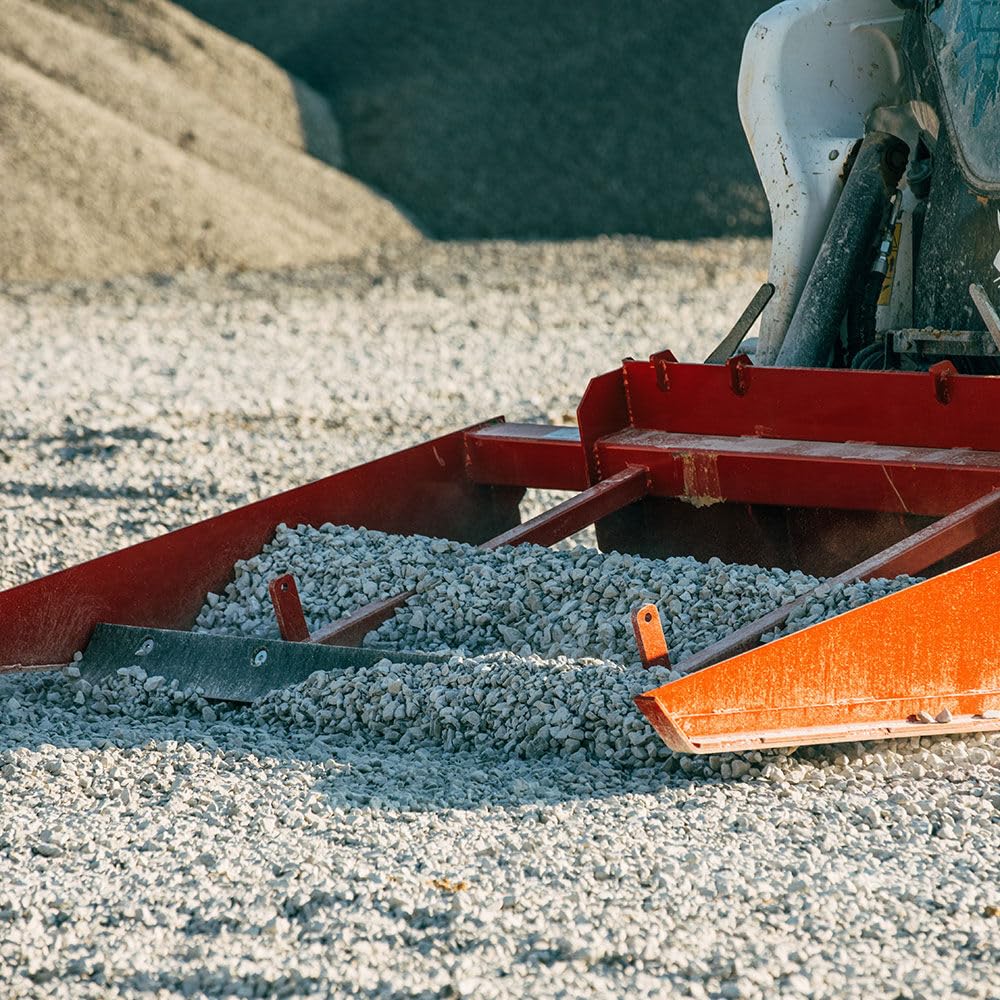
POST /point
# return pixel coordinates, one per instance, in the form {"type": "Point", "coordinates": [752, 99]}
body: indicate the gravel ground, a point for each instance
{"type": "Point", "coordinates": [152, 845]}
{"type": "Point", "coordinates": [546, 662]}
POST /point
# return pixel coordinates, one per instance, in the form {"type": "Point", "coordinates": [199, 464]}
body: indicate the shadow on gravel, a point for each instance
{"type": "Point", "coordinates": [350, 771]}
{"type": "Point", "coordinates": [88, 491]}
{"type": "Point", "coordinates": [529, 120]}
{"type": "Point", "coordinates": [355, 771]}
{"type": "Point", "coordinates": [79, 435]}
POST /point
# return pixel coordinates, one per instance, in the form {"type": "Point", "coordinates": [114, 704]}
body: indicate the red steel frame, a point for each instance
{"type": "Point", "coordinates": [802, 468]}
{"type": "Point", "coordinates": [873, 441]}
{"type": "Point", "coordinates": [729, 438]}
{"type": "Point", "coordinates": [162, 583]}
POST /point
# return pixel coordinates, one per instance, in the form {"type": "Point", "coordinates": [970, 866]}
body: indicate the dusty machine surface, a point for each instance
{"type": "Point", "coordinates": [857, 440]}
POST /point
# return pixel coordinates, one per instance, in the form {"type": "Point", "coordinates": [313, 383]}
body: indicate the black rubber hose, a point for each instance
{"type": "Point", "coordinates": [845, 251]}
{"type": "Point", "coordinates": [862, 313]}
{"type": "Point", "coordinates": [870, 358]}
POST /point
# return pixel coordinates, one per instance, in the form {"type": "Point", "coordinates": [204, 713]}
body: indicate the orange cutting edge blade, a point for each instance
{"type": "Point", "coordinates": [883, 670]}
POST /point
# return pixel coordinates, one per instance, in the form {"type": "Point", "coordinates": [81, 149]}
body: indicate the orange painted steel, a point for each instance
{"type": "Point", "coordinates": [910, 556]}
{"type": "Point", "coordinates": [649, 638]}
{"type": "Point", "coordinates": [933, 648]}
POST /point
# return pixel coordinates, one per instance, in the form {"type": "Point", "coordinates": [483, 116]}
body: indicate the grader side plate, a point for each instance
{"type": "Point", "coordinates": [922, 661]}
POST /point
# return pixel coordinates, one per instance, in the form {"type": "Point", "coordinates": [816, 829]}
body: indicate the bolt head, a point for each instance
{"type": "Point", "coordinates": [145, 647]}
{"type": "Point", "coordinates": [260, 658]}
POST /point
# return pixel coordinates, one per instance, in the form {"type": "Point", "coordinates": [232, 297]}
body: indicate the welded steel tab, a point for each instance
{"type": "Point", "coordinates": [739, 374]}
{"type": "Point", "coordinates": [943, 376]}
{"type": "Point", "coordinates": [284, 593]}
{"type": "Point", "coordinates": [661, 362]}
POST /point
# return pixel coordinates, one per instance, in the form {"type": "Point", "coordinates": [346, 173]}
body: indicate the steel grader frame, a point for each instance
{"type": "Point", "coordinates": [845, 474]}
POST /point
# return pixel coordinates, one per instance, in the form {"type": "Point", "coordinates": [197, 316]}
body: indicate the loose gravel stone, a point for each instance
{"type": "Point", "coordinates": [274, 851]}
{"type": "Point", "coordinates": [525, 599]}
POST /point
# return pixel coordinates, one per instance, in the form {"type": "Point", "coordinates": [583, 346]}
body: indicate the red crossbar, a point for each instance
{"type": "Point", "coordinates": [550, 526]}
{"type": "Point", "coordinates": [705, 469]}
{"type": "Point", "coordinates": [708, 469]}
{"type": "Point", "coordinates": [537, 455]}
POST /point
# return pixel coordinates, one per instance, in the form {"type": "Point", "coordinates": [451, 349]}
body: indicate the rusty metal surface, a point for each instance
{"type": "Point", "coordinates": [352, 629]}
{"type": "Point", "coordinates": [708, 469]}
{"type": "Point", "coordinates": [867, 674]}
{"type": "Point", "coordinates": [578, 512]}
{"type": "Point", "coordinates": [536, 455]}
{"type": "Point", "coordinates": [284, 593]}
{"type": "Point", "coordinates": [800, 468]}
{"type": "Point", "coordinates": [810, 404]}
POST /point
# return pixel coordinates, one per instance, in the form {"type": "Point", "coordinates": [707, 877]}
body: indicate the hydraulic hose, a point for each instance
{"type": "Point", "coordinates": [853, 230]}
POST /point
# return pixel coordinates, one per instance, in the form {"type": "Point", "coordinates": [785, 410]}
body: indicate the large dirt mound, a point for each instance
{"type": "Point", "coordinates": [135, 138]}
{"type": "Point", "coordinates": [521, 118]}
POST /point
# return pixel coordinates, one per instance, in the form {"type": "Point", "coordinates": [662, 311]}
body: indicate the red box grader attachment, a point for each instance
{"type": "Point", "coordinates": [844, 474]}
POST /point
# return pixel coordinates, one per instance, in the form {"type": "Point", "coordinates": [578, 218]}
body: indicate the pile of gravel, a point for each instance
{"type": "Point", "coordinates": [545, 658]}
{"type": "Point", "coordinates": [500, 703]}
{"type": "Point", "coordinates": [525, 599]}
{"type": "Point", "coordinates": [139, 139]}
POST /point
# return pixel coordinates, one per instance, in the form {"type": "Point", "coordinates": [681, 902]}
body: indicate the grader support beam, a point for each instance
{"type": "Point", "coordinates": [563, 520]}
{"type": "Point", "coordinates": [911, 556]}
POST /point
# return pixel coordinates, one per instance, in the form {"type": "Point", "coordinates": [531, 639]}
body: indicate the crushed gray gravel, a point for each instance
{"type": "Point", "coordinates": [155, 845]}
{"type": "Point", "coordinates": [574, 602]}
{"type": "Point", "coordinates": [546, 662]}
